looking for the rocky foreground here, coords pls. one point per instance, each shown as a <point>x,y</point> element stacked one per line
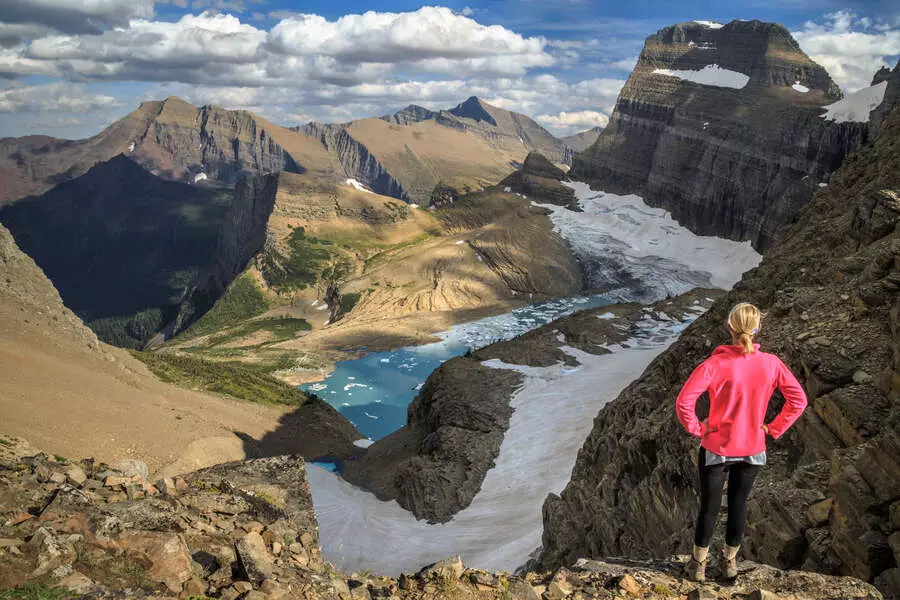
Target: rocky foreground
<point>248,530</point>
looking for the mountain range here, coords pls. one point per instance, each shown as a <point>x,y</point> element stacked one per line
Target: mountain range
<point>244,258</point>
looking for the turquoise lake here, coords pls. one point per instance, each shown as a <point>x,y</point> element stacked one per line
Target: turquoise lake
<point>374,391</point>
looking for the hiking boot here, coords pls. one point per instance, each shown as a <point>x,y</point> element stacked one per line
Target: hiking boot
<point>695,570</point>
<point>729,568</point>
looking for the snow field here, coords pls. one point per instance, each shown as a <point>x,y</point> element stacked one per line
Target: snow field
<point>856,107</point>
<point>712,75</point>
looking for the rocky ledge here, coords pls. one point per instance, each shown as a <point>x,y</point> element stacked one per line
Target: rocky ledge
<point>248,530</point>
<point>435,465</point>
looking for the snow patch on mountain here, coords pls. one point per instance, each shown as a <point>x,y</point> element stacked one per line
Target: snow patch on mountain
<point>709,24</point>
<point>712,75</point>
<point>357,185</point>
<point>856,107</point>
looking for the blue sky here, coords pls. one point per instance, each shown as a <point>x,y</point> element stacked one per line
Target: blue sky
<point>70,67</point>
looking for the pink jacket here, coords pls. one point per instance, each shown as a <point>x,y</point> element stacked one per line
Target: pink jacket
<point>740,386</point>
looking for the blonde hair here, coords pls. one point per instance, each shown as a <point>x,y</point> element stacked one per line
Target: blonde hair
<point>744,320</point>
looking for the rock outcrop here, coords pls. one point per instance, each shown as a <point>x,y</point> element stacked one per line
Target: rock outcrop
<point>248,530</point>
<point>736,156</point>
<point>540,180</point>
<point>829,497</point>
<point>435,465</point>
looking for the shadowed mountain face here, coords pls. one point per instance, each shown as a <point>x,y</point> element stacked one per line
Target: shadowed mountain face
<point>714,125</point>
<point>828,499</point>
<point>119,242</point>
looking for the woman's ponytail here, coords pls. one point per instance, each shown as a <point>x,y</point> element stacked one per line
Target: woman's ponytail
<point>744,321</point>
<point>747,343</point>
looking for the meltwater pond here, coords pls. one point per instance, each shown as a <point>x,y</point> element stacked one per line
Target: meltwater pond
<point>374,391</point>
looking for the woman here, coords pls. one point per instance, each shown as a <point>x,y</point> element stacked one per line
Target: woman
<point>740,380</point>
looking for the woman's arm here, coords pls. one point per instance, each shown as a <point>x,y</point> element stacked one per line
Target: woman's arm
<point>686,403</point>
<point>794,401</point>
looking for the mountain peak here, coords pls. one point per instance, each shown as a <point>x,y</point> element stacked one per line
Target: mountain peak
<point>474,108</point>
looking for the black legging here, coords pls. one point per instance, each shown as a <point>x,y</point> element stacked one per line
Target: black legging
<point>712,478</point>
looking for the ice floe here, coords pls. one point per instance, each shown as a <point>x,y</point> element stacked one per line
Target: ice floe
<point>712,75</point>
<point>856,107</point>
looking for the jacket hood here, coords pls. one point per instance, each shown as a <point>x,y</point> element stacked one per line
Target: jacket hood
<point>728,349</point>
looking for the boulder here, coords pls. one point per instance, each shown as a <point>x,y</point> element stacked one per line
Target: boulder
<point>167,554</point>
<point>254,557</point>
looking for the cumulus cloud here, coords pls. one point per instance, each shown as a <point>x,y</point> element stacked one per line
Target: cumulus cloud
<point>850,47</point>
<point>430,32</point>
<point>76,16</point>
<point>218,48</point>
<point>53,97</point>
<point>573,122</point>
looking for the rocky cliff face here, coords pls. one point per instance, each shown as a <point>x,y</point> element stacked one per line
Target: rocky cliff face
<point>721,127</point>
<point>184,142</point>
<point>829,498</point>
<point>356,159</point>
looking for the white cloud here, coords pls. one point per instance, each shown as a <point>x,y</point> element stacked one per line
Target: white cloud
<point>214,48</point>
<point>430,32</point>
<point>53,97</point>
<point>850,48</point>
<point>573,122</point>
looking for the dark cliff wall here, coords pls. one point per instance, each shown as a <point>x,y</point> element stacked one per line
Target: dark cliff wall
<point>829,499</point>
<point>357,161</point>
<point>737,163</point>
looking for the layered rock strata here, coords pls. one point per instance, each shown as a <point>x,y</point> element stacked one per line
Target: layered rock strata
<point>829,497</point>
<point>736,156</point>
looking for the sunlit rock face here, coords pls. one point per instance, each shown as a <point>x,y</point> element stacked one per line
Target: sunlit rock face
<point>721,126</point>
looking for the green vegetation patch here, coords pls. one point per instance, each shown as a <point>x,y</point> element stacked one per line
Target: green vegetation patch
<point>280,328</point>
<point>251,382</point>
<point>241,301</point>
<point>348,301</point>
<point>129,331</point>
<point>35,591</point>
<point>307,257</point>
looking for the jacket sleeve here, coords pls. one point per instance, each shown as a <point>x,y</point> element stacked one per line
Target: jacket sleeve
<point>794,401</point>
<point>686,403</point>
